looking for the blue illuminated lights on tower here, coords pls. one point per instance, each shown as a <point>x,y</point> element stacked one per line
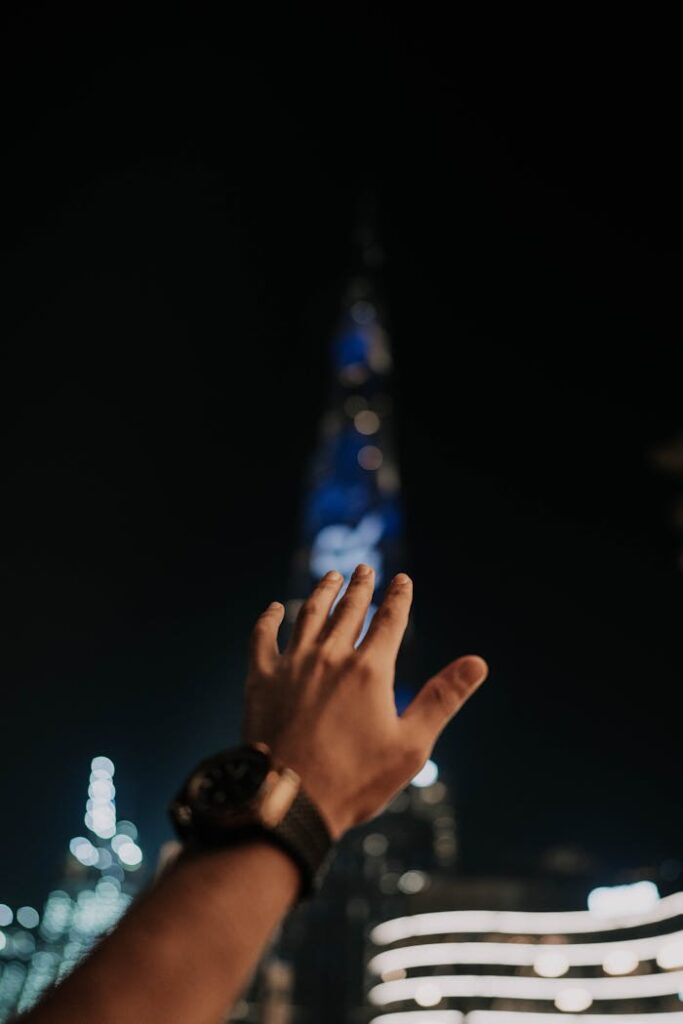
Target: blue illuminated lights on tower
<point>352,511</point>
<point>100,882</point>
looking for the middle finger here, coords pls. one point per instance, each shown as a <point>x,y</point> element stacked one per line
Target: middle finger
<point>348,617</point>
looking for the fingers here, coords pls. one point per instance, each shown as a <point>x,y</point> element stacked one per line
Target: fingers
<point>263,645</point>
<point>315,610</point>
<point>347,620</point>
<point>389,623</point>
<point>440,698</point>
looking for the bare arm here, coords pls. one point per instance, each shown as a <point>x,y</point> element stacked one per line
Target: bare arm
<point>185,952</point>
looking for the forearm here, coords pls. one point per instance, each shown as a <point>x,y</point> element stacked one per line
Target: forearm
<point>186,951</point>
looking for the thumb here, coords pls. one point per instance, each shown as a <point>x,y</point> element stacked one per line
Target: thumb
<point>441,697</point>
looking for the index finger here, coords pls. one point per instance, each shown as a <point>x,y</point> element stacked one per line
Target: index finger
<point>389,622</point>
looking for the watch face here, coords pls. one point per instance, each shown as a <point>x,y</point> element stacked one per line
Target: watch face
<point>224,786</point>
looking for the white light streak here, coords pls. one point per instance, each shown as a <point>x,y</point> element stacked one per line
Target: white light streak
<point>499,986</point>
<point>514,1017</point>
<point>423,1017</point>
<point>671,953</point>
<point>506,922</point>
<point>514,954</point>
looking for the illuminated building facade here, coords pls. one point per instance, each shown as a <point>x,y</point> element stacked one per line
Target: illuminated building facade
<point>38,949</point>
<point>621,959</point>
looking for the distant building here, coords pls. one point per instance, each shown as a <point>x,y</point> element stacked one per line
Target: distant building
<point>100,880</point>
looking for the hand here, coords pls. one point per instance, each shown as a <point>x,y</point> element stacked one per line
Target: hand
<point>326,709</point>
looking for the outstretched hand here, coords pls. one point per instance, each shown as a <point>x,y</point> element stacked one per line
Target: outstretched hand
<point>326,708</point>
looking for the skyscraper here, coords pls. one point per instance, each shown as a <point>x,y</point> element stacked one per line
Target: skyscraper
<point>101,876</point>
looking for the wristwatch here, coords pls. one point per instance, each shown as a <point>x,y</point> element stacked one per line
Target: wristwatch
<point>244,793</point>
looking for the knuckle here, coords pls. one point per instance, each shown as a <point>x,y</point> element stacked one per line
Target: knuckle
<point>385,617</point>
<point>326,656</point>
<point>441,694</point>
<point>309,610</point>
<point>364,666</point>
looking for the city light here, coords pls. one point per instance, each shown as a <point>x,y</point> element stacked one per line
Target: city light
<point>6,915</point>
<point>370,457</point>
<point>84,851</point>
<point>621,961</point>
<point>412,881</point>
<point>427,775</point>
<point>427,994</point>
<point>623,900</point>
<point>551,963</point>
<point>671,954</point>
<point>366,422</point>
<point>103,764</point>
<point>129,854</point>
<point>573,1000</point>
<point>28,917</point>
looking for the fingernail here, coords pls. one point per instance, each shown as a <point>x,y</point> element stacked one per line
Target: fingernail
<point>362,570</point>
<point>333,575</point>
<point>473,671</point>
<point>274,604</point>
<point>401,579</point>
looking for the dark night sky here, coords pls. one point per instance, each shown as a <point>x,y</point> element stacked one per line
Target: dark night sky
<point>177,212</point>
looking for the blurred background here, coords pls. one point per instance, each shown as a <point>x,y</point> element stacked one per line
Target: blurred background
<point>179,205</point>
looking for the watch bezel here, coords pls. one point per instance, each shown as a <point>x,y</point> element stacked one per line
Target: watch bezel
<point>192,815</point>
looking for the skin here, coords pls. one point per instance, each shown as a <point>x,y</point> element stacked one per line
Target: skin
<point>185,952</point>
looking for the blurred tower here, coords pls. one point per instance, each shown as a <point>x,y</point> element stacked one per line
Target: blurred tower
<point>352,512</point>
<point>101,877</point>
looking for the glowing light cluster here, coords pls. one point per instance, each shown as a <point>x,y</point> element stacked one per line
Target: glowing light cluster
<point>427,775</point>
<point>100,815</point>
<point>56,915</point>
<point>619,900</point>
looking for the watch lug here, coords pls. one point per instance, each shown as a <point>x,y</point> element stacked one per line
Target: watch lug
<point>280,792</point>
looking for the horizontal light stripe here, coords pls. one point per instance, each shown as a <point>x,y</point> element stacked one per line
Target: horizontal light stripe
<point>503,986</point>
<point>512,922</point>
<point>510,1017</point>
<point>515,954</point>
<point>424,1017</point>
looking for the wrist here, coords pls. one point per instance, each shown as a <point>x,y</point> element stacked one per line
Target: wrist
<point>247,794</point>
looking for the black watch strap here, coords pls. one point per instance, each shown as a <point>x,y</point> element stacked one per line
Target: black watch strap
<point>304,835</point>
<point>302,832</point>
